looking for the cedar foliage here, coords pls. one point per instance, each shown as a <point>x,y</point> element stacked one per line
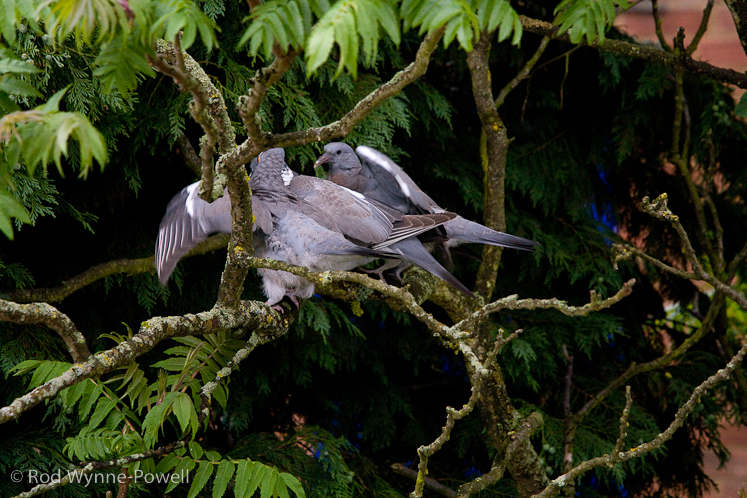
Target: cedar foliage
<point>346,394</point>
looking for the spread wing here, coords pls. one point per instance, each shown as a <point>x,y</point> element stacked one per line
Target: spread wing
<point>187,222</point>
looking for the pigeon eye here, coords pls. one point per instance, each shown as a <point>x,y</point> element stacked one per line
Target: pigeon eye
<point>339,152</point>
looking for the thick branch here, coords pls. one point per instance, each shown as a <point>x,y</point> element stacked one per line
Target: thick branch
<point>52,318</point>
<point>642,52</point>
<point>496,142</point>
<point>250,315</point>
<point>738,10</point>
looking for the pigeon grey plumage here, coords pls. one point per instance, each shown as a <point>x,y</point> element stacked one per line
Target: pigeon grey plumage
<point>301,220</point>
<point>381,180</point>
<point>187,222</point>
<point>323,226</point>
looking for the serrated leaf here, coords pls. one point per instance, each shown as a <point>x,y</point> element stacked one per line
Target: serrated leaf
<point>202,476</point>
<point>166,464</point>
<point>186,464</point>
<point>17,66</point>
<point>103,407</point>
<point>183,409</point>
<point>243,475</point>
<point>10,207</point>
<point>293,484</point>
<point>223,475</point>
<point>119,64</point>
<point>195,450</point>
<point>267,487</point>
<point>258,474</point>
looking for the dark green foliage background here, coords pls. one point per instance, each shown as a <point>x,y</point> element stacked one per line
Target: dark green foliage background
<point>364,392</point>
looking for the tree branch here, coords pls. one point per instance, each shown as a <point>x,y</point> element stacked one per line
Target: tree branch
<point>617,456</point>
<point>91,275</point>
<point>635,369</point>
<point>340,128</point>
<point>429,482</point>
<point>249,104</point>
<point>642,52</point>
<point>513,303</point>
<point>657,23</point>
<point>207,108</point>
<point>51,317</point>
<point>250,315</point>
<point>658,209</point>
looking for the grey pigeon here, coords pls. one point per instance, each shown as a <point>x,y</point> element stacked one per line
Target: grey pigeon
<point>322,226</point>
<point>381,180</point>
<point>300,220</point>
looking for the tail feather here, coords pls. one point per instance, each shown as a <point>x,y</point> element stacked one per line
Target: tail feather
<point>412,251</point>
<point>460,230</point>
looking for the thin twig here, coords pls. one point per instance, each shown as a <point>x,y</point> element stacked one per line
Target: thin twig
<point>617,456</point>
<point>701,29</point>
<point>657,24</point>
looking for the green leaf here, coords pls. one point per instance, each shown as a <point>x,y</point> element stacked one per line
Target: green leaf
<point>183,409</point>
<point>293,483</point>
<point>10,207</point>
<point>259,472</point>
<point>204,471</point>
<point>223,475</point>
<point>186,464</point>
<point>103,407</point>
<point>166,464</point>
<point>13,65</point>
<point>195,450</point>
<point>119,64</point>
<point>741,108</point>
<point>187,17</point>
<point>267,487</point>
<point>85,18</point>
<point>14,86</point>
<point>244,472</point>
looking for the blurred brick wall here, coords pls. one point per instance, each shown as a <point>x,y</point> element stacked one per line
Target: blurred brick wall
<point>721,47</point>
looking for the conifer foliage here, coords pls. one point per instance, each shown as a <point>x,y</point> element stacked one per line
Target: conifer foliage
<point>593,366</point>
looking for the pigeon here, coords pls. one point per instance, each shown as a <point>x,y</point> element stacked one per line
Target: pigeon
<point>188,221</point>
<point>301,220</point>
<point>322,226</point>
<point>382,181</point>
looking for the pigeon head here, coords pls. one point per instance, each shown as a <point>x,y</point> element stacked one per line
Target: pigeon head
<point>269,167</point>
<point>344,165</point>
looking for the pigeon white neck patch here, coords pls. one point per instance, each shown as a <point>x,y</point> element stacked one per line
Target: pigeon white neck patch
<point>287,175</point>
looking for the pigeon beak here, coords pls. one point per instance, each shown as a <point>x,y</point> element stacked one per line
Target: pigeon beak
<point>323,159</point>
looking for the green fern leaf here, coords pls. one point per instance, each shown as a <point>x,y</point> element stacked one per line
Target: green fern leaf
<point>223,475</point>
